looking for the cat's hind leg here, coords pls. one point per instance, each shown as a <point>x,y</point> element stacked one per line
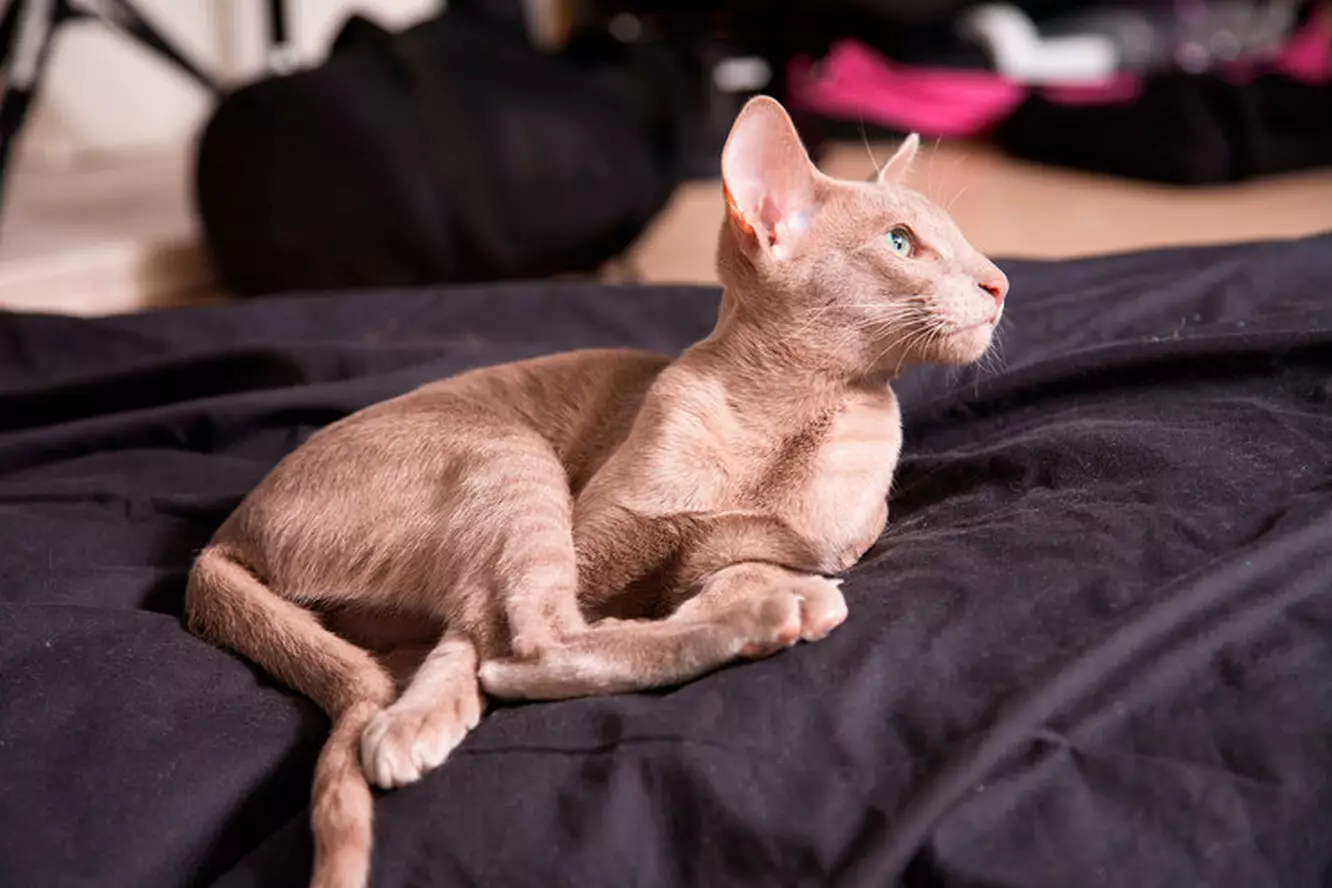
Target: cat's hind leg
<point>519,595</point>
<point>417,732</point>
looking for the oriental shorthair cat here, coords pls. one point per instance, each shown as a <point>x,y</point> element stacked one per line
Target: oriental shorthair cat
<point>602,521</point>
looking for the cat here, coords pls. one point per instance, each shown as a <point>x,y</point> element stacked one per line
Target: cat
<point>602,521</point>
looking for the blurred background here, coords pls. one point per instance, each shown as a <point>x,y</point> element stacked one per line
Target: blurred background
<point>168,152</point>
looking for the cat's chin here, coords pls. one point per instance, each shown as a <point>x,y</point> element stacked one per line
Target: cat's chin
<point>966,346</point>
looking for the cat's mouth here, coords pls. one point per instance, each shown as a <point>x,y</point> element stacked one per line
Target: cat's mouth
<point>988,322</point>
<point>967,341</point>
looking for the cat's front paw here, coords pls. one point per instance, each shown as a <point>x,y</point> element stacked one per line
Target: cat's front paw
<point>822,607</point>
<point>402,743</point>
<point>799,608</point>
<point>770,623</point>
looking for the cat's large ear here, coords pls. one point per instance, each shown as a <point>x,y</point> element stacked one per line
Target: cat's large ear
<point>895,170</point>
<point>767,177</point>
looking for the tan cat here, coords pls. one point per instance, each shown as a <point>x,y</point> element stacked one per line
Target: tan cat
<point>602,521</point>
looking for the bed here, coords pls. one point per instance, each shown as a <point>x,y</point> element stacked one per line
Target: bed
<point>1093,646</point>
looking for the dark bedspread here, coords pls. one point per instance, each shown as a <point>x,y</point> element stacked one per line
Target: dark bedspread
<point>1094,646</point>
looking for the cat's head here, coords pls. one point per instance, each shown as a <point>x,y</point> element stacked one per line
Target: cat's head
<point>870,274</point>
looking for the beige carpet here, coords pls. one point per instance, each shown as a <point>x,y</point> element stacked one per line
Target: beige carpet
<point>1010,208</point>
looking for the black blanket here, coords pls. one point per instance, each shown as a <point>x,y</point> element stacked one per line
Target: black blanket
<point>1093,647</point>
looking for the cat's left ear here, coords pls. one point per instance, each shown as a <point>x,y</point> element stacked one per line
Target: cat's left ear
<point>895,170</point>
<point>769,181</point>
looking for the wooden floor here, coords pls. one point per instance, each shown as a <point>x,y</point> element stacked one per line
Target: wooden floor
<point>120,235</point>
<point>1010,208</point>
<point>112,236</point>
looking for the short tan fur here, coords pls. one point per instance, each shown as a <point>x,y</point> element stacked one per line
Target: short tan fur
<point>602,521</point>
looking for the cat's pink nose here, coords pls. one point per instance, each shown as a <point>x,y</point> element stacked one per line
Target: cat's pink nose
<point>996,286</point>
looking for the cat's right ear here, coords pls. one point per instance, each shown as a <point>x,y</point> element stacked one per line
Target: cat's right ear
<point>894,172</point>
<point>767,177</point>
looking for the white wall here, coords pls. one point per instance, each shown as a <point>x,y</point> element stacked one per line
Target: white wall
<point>102,93</point>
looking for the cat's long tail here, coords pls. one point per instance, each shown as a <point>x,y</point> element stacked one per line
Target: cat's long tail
<point>229,606</point>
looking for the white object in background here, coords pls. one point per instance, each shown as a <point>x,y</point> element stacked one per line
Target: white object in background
<point>102,94</point>
<point>742,74</point>
<point>1023,56</point>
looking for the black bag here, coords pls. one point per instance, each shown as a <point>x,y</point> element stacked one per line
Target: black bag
<point>452,151</point>
<point>1184,129</point>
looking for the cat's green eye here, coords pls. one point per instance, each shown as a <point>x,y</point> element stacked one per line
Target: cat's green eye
<point>899,240</point>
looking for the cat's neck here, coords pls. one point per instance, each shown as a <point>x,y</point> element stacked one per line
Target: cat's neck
<point>758,359</point>
<point>755,329</point>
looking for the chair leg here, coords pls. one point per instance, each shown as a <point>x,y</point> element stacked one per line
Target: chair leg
<point>26,28</point>
<point>123,16</point>
<point>8,30</point>
<point>25,52</point>
<point>281,50</point>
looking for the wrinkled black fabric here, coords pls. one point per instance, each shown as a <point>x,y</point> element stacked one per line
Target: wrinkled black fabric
<point>1094,645</point>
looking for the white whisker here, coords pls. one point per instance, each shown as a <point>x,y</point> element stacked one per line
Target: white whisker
<point>961,191</point>
<point>864,137</point>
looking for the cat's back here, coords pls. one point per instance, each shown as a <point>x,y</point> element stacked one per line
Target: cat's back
<point>385,465</point>
<point>549,389</point>
<point>555,396</point>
